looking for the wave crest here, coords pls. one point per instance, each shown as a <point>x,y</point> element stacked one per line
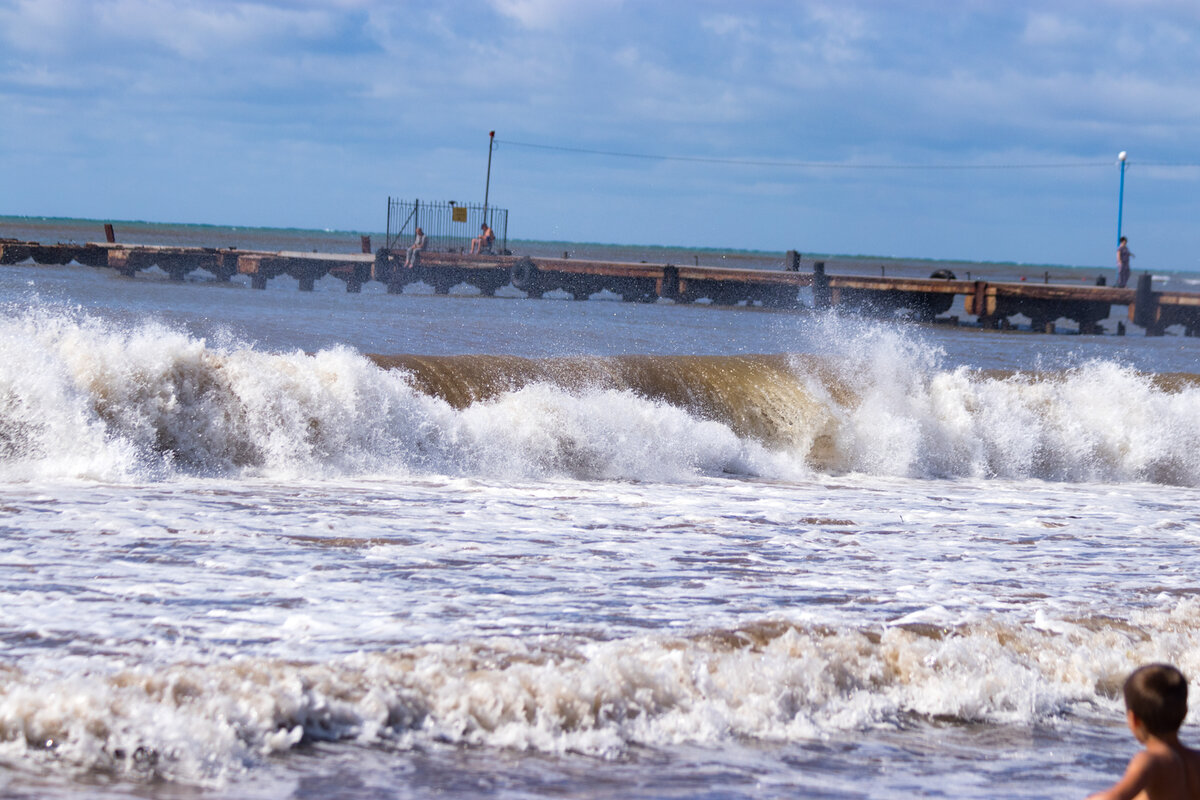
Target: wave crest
<point>82,399</point>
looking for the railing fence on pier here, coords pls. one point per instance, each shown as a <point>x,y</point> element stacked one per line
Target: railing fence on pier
<point>449,227</point>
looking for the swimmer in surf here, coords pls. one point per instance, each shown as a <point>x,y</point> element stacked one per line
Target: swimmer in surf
<point>1155,705</point>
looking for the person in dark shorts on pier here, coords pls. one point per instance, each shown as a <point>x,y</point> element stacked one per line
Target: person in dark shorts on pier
<point>417,246</point>
<point>1156,703</point>
<point>483,242</point>
<point>1123,256</point>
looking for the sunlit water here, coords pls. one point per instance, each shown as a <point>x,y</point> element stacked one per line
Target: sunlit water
<point>242,559</point>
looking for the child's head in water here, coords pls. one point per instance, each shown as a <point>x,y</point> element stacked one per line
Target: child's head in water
<point>1155,705</point>
<point>1156,696</point>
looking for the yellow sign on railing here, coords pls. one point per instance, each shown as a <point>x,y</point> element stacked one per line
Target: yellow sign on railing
<point>458,213</point>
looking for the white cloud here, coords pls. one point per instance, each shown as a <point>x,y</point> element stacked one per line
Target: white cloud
<point>728,24</point>
<point>841,31</point>
<point>121,28</point>
<point>541,15</point>
<point>1045,29</point>
<point>193,31</point>
<point>40,26</point>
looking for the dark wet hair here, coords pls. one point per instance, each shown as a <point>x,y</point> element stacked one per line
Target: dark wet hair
<point>1124,239</point>
<point>1157,695</point>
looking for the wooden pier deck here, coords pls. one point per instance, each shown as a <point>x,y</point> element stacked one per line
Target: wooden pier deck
<point>992,303</point>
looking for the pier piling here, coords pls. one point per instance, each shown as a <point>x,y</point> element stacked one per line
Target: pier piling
<point>993,304</point>
<point>1144,311</point>
<point>822,296</point>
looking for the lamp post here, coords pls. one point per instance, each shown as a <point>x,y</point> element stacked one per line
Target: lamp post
<point>488,184</point>
<point>1120,194</point>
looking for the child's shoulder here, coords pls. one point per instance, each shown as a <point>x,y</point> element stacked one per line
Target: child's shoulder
<point>1191,765</point>
<point>1168,771</point>
<point>1142,773</point>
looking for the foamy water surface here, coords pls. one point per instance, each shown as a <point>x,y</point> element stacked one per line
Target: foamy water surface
<point>243,559</point>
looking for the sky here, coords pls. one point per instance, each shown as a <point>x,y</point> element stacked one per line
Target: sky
<point>952,129</point>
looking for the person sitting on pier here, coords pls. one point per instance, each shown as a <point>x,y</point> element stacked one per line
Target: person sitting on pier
<point>417,246</point>
<point>483,242</point>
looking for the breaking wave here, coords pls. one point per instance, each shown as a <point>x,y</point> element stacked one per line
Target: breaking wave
<point>773,680</point>
<point>87,399</point>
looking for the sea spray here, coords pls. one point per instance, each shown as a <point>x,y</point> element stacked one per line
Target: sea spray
<point>149,402</point>
<point>83,398</point>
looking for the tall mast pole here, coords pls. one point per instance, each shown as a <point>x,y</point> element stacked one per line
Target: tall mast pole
<point>1120,195</point>
<point>487,186</point>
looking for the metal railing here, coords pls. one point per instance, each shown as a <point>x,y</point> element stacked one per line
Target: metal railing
<point>449,227</point>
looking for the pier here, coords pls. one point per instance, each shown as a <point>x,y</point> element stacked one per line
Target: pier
<point>992,303</point>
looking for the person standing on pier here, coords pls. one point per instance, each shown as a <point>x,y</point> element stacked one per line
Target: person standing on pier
<point>417,246</point>
<point>1123,256</point>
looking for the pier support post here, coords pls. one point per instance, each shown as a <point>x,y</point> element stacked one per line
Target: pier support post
<point>1145,308</point>
<point>668,285</point>
<point>109,235</point>
<point>791,261</point>
<point>225,266</point>
<point>124,262</point>
<point>822,297</point>
<point>13,252</point>
<point>978,303</point>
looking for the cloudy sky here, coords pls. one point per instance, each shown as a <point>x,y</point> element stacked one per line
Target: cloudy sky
<point>975,129</point>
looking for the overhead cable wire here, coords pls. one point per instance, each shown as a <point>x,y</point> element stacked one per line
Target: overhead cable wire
<point>812,164</point>
<point>1165,164</point>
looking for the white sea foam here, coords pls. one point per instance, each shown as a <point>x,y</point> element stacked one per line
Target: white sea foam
<point>85,399</point>
<point>772,680</point>
<point>1099,421</point>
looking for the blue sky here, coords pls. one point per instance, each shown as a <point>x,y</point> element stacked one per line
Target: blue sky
<point>973,129</point>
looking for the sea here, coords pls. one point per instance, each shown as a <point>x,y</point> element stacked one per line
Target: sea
<point>284,544</point>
